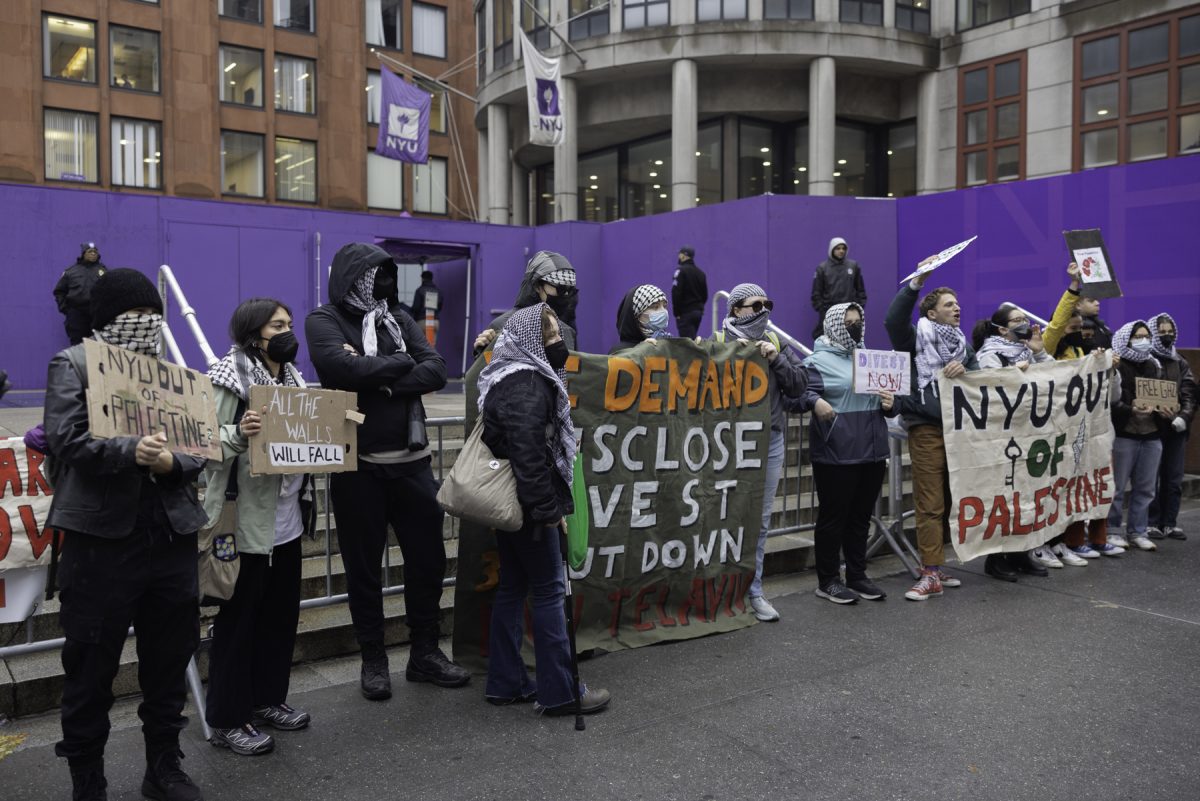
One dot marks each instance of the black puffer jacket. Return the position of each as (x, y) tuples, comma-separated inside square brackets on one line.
[(1179, 371), (518, 418), (1126, 423)]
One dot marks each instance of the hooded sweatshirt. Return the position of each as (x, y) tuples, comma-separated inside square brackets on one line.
[(629, 327), (390, 383), (837, 281), (545, 267)]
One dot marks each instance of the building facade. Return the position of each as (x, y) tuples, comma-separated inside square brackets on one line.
[(671, 104), (260, 101)]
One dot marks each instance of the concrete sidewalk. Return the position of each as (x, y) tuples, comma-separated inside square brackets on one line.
[(1077, 686)]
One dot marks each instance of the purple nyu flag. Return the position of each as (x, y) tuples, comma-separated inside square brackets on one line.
[(403, 120)]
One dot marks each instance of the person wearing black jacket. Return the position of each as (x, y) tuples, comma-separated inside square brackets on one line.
[(837, 280), (689, 293), (549, 278), (527, 420), (1095, 330), (361, 341), (641, 316), (73, 291), (129, 513), (1164, 509)]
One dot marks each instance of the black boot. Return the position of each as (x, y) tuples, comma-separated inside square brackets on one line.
[(375, 680), (88, 782), (426, 662), (997, 567), (1025, 563), (165, 779)]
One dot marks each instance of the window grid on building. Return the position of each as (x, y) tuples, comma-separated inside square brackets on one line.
[(991, 121), (244, 10), (645, 14), (913, 15), (429, 186), (68, 48), (136, 147), (867, 12), (787, 9), (72, 144), (973, 13), (429, 30), (502, 34), (294, 15), (295, 84), (384, 20), (534, 26), (713, 10), (295, 170), (588, 18), (133, 58)]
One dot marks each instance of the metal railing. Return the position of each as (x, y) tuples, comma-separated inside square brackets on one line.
[(784, 336), (168, 288)]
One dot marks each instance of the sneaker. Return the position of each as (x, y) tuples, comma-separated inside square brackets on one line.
[(374, 680), (593, 701), (1155, 533), (1087, 551), (1045, 556), (927, 587), (246, 740), (1068, 556), (1118, 540), (1144, 543), (431, 665), (763, 609), (166, 781), (1175, 533), (866, 589), (837, 592), (947, 580), (1108, 549), (282, 717)]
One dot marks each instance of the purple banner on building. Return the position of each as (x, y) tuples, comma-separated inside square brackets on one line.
[(403, 120)]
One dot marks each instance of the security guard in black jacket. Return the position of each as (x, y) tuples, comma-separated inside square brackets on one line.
[(73, 292)]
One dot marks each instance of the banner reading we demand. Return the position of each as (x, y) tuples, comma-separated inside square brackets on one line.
[(1029, 452), (674, 443)]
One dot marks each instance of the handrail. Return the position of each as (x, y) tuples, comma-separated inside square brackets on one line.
[(787, 338), (168, 286)]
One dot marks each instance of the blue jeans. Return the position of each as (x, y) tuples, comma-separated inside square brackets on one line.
[(1135, 461), (534, 567), (775, 454), (1164, 510)]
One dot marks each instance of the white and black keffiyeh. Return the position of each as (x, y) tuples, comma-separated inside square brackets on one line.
[(237, 371), (361, 298), (1120, 343), (1012, 352), (646, 296), (937, 345), (140, 333), (551, 268), (1156, 339), (751, 327), (835, 326), (520, 347)]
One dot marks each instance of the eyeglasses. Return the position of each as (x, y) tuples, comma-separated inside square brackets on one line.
[(757, 305)]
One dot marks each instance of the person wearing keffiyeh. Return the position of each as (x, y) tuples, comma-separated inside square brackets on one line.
[(641, 315), (549, 278), (938, 348), (1164, 509)]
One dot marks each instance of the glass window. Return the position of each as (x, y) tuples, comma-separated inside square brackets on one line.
[(977, 131), (1189, 85), (1008, 121), (975, 87), (295, 170), (799, 160), (241, 76), (788, 9), (1189, 134), (1189, 36), (1100, 148), (1008, 79), (296, 15), (296, 84), (242, 164), (912, 15), (429, 30), (534, 26), (1147, 140), (709, 10), (480, 46), (902, 160), (977, 168), (758, 159), (134, 58), (1008, 163), (588, 18), (645, 13), (709, 172), (69, 49), (136, 153), (1148, 93), (853, 167), (543, 203), (646, 178), (385, 182), (599, 199), (71, 146), (993, 100), (1101, 56), (1100, 102), (245, 10), (502, 34), (868, 12), (972, 13), (437, 104), (1148, 45), (429, 186), (385, 23), (374, 96)]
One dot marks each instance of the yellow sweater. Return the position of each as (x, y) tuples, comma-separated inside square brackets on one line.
[(1058, 326)]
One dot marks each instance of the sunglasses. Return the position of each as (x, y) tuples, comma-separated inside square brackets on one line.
[(758, 305), (566, 291)]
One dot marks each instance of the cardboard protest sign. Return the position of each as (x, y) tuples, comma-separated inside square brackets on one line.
[(131, 395), (887, 370), (305, 430), (674, 444), (1028, 452), (940, 259), (24, 537), (1095, 266), (1151, 392)]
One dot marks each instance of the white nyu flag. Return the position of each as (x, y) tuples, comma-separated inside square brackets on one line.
[(545, 101)]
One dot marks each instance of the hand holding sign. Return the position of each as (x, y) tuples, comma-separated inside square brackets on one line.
[(933, 262), (1095, 267)]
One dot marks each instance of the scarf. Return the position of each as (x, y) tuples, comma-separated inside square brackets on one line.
[(644, 297), (140, 333), (1156, 340), (1013, 352), (937, 345), (835, 327), (238, 371), (1121, 344), (520, 347), (361, 298)]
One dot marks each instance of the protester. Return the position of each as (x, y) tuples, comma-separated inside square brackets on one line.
[(748, 310), (1137, 449), (642, 315), (837, 280), (418, 304), (1006, 339), (550, 279), (939, 348), (848, 447), (129, 513), (1102, 335), (527, 420), (689, 293), (250, 660), (1164, 509), (73, 291), (361, 342)]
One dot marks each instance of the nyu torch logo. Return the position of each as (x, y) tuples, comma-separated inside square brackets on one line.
[(548, 106), (404, 128)]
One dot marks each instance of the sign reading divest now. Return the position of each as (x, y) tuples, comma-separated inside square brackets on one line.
[(1028, 452), (882, 370), (674, 442), (131, 395)]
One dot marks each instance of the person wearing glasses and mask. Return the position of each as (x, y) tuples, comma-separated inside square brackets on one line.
[(641, 316), (550, 279), (748, 311)]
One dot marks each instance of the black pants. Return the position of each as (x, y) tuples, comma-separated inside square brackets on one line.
[(254, 635), (78, 325), (148, 579), (364, 503), (847, 495), (689, 323)]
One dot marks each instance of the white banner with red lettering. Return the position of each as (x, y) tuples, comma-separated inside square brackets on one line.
[(1028, 452), (24, 537)]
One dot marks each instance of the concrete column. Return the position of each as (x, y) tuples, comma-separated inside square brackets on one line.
[(566, 158), (754, 9), (827, 10), (941, 19), (683, 12), (889, 13), (520, 195), (498, 164), (481, 191), (927, 133), (684, 110), (729, 157), (822, 124)]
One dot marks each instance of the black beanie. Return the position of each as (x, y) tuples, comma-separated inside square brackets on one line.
[(118, 291)]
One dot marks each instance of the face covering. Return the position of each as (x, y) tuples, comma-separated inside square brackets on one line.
[(752, 326), (1074, 339), (1140, 344), (140, 333), (656, 323), (556, 355), (855, 330), (282, 347), (1167, 340), (563, 307), (1022, 331), (385, 285)]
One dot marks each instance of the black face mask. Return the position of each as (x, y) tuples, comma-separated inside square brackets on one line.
[(1022, 331), (556, 355), (283, 347), (1167, 340), (564, 307), (855, 330), (385, 285), (1074, 339)]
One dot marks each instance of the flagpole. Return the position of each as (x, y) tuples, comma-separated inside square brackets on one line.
[(415, 71)]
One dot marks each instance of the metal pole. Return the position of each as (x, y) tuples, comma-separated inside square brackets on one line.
[(467, 322), (426, 76), (558, 35), (189, 314)]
